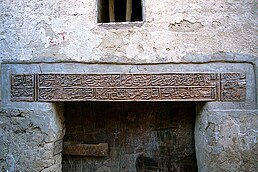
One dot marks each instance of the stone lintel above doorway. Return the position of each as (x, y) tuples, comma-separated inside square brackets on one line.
[(183, 86)]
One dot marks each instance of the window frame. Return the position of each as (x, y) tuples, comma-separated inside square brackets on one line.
[(119, 23)]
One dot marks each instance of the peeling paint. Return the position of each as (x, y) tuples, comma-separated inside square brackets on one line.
[(32, 30), (185, 26)]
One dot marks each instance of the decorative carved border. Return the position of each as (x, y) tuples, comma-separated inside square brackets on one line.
[(23, 87), (233, 86), (129, 87)]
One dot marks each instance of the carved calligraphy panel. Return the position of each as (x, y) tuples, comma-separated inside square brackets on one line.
[(129, 87), (22, 87), (233, 86), (127, 80)]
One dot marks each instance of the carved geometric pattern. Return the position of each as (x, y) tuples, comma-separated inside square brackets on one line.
[(134, 87), (22, 88), (233, 86)]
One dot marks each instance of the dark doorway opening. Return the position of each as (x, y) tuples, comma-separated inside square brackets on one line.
[(119, 11), (141, 136)]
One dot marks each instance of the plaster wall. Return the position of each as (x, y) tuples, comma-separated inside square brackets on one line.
[(189, 32), (171, 30)]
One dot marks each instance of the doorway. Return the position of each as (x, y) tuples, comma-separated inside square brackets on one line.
[(140, 136)]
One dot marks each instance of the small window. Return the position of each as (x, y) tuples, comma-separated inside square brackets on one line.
[(119, 11)]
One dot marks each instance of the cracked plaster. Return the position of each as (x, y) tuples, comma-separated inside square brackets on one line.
[(56, 31)]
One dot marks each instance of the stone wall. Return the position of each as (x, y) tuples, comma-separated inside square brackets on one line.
[(27, 137), (226, 139)]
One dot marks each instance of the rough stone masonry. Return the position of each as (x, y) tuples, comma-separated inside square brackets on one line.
[(53, 37)]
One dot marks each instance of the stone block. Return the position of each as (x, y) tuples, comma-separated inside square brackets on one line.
[(226, 140)]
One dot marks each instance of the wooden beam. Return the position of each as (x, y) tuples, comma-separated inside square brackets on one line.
[(78, 148), (128, 10), (111, 11)]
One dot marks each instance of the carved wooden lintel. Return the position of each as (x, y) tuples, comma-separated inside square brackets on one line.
[(129, 87)]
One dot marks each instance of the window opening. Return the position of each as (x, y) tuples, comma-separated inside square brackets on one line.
[(119, 11)]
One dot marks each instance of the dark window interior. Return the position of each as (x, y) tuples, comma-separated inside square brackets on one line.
[(119, 10)]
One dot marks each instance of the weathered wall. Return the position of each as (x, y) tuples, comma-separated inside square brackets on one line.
[(173, 31), (67, 30), (223, 131), (27, 137), (226, 139)]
